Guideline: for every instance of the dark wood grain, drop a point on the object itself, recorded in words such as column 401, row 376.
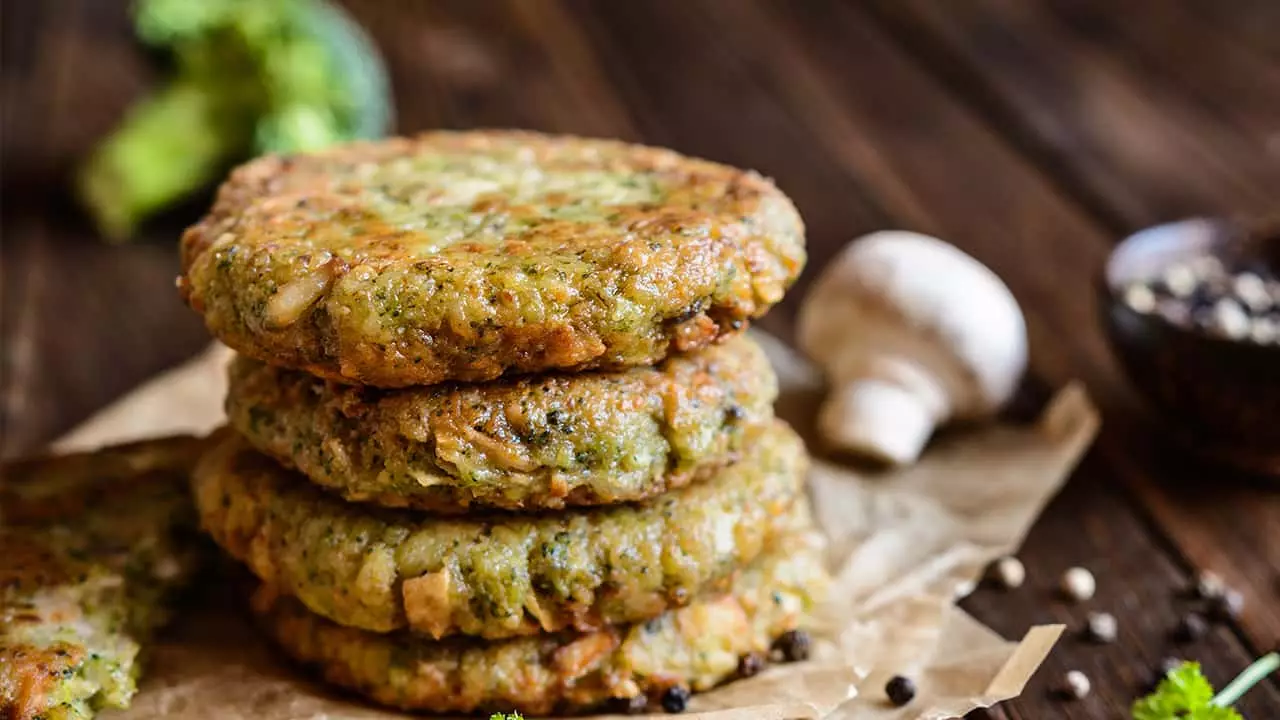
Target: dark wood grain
column 1133, row 146
column 1232, row 82
column 1214, row 517
column 1033, row 135
column 81, row 322
column 1221, row 128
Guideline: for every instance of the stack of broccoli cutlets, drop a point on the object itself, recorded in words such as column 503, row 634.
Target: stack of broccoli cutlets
column 497, row 441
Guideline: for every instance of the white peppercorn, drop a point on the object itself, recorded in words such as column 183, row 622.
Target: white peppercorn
column 1227, row 606
column 1078, row 584
column 1264, row 330
column 1174, row 312
column 1229, row 320
column 1251, row 291
column 1208, row 585
column 1008, row 572
column 1101, row 627
column 1179, row 280
column 1141, row 298
column 1076, row 685
column 1206, row 267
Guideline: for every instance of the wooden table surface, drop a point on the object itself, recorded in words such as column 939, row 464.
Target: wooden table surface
column 1032, row 134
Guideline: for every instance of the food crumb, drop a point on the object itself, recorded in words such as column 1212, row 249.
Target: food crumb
column 1078, row 584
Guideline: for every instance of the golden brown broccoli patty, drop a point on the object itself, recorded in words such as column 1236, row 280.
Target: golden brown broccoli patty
column 91, row 547
column 536, row 442
column 499, row 575
column 464, row 256
column 695, row 647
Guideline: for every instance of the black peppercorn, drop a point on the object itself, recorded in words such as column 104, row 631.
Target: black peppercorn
column 792, row 646
column 750, row 665
column 900, row 690
column 1227, row 606
column 675, row 699
column 1192, row 627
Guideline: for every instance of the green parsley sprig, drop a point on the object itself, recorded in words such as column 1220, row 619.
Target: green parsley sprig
column 1185, row 693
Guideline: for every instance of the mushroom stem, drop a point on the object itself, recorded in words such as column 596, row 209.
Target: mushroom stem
column 886, row 411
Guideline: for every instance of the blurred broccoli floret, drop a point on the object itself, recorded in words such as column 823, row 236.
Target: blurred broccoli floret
column 250, row 76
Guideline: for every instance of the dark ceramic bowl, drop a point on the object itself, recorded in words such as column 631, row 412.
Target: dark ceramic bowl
column 1220, row 396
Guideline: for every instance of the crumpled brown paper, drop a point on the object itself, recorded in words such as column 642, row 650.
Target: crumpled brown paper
column 903, row 547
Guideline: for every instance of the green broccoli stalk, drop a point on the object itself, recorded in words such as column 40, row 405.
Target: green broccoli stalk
column 170, row 145
column 250, row 76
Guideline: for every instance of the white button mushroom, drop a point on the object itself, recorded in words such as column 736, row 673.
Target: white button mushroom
column 911, row 332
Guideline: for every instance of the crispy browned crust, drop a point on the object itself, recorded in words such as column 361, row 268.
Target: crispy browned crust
column 696, row 647
column 300, row 264
column 540, row 442
column 28, row 675
column 498, row 575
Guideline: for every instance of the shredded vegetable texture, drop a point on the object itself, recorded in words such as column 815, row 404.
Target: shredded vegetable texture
column 1183, row 694
column 506, row 716
column 249, row 76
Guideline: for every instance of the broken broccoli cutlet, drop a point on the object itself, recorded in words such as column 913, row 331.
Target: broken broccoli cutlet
column 93, row 546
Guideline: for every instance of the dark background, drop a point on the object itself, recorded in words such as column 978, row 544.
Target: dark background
column 1034, row 135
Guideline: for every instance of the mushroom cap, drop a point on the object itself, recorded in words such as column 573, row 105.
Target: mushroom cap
column 906, row 294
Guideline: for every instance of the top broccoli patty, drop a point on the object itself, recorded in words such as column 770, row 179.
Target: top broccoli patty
column 92, row 544
column 464, row 256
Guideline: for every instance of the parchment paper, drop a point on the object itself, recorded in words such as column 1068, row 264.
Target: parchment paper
column 903, row 547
